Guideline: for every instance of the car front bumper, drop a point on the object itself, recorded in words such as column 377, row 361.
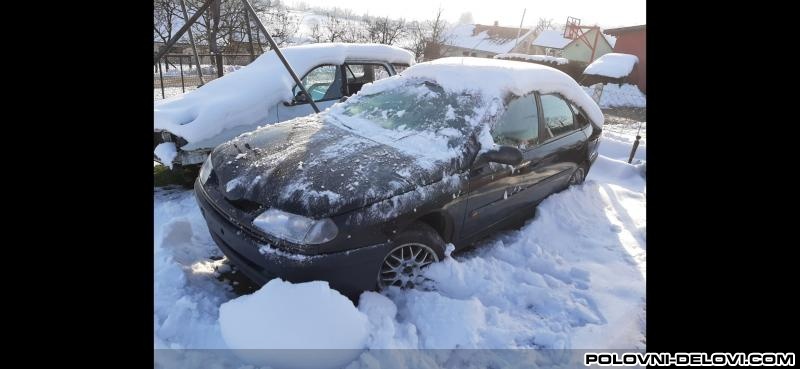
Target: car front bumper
column 350, row 272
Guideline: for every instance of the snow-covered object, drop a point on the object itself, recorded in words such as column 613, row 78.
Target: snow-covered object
column 464, row 36
column 166, row 152
column 613, row 65
column 615, row 96
column 552, row 39
column 495, row 78
column 573, row 277
column 534, row 58
column 249, row 96
column 282, row 317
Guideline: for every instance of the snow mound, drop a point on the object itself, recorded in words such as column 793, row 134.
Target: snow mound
column 166, row 152
column 249, row 96
column 613, row 65
column 534, row 58
column 495, row 79
column 282, row 316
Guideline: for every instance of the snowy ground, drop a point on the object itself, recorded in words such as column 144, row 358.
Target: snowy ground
column 572, row 277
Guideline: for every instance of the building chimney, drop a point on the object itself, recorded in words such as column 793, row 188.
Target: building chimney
column 496, row 23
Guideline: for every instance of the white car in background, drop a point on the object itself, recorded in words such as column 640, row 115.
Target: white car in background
column 188, row 126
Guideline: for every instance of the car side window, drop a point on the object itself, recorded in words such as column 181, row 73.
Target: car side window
column 360, row 74
column 519, row 124
column 322, row 83
column 399, row 68
column 558, row 117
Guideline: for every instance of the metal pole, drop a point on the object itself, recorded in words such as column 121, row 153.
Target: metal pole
column 194, row 47
column 249, row 37
column 161, row 78
column 519, row 30
column 181, row 31
column 280, row 54
column 635, row 143
column 180, row 62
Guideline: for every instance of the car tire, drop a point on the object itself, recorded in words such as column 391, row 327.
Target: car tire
column 420, row 239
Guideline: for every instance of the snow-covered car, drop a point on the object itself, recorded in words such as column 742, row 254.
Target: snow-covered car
column 188, row 126
column 369, row 192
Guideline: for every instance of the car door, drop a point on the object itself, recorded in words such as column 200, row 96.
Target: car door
column 498, row 191
column 325, row 85
column 562, row 146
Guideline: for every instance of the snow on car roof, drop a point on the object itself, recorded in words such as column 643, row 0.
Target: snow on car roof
column 614, row 65
column 536, row 58
column 249, row 96
column 497, row 78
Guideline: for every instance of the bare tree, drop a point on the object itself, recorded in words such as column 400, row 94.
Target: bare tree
column 544, row 24
column 333, row 26
column 316, row 32
column 383, row 30
column 166, row 15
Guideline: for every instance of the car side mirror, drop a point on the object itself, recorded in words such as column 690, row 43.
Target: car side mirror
column 301, row 98
column 504, row 155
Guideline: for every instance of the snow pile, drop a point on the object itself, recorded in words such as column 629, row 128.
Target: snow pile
column 614, row 96
column 613, row 65
column 166, row 152
column 494, row 79
column 551, row 38
column 248, row 97
column 464, row 36
column 282, row 316
column 533, row 58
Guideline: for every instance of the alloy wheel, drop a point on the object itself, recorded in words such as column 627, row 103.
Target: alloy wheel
column 403, row 266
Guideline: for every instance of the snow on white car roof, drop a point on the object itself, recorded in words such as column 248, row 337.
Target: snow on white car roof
column 614, row 65
column 537, row 58
column 249, row 95
column 497, row 78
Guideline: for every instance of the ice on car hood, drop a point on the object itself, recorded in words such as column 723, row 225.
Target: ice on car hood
column 248, row 96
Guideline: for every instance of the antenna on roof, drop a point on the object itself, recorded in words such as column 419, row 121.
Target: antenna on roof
column 519, row 30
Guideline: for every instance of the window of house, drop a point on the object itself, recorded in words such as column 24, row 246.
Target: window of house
column 519, row 124
column 558, row 116
column 322, row 83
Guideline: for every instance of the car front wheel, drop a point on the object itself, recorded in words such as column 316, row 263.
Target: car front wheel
column 413, row 250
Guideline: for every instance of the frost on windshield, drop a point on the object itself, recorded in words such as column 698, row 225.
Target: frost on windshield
column 419, row 118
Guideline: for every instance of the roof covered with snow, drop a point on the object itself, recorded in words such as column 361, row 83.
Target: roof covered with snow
column 495, row 78
column 613, row 65
column 552, row 38
column 556, row 40
column 250, row 95
column 495, row 39
column 533, row 58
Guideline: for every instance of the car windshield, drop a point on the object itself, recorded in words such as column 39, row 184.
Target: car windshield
column 420, row 106
column 418, row 117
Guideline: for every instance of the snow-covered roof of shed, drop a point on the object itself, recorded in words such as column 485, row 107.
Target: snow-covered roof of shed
column 493, row 39
column 250, row 95
column 497, row 78
column 535, row 58
column 551, row 38
column 613, row 65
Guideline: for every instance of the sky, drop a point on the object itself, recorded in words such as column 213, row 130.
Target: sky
column 606, row 13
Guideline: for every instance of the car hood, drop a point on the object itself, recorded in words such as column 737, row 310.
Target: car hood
column 307, row 167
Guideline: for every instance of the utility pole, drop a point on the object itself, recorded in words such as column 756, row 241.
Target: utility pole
column 519, row 30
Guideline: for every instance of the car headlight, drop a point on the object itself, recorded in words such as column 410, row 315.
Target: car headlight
column 296, row 228
column 205, row 170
